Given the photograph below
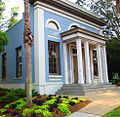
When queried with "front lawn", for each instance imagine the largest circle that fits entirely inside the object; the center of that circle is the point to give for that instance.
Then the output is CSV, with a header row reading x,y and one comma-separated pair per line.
x,y
113,113
43,105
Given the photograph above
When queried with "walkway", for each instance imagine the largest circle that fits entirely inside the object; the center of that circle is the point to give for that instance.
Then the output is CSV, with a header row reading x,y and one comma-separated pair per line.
x,y
102,102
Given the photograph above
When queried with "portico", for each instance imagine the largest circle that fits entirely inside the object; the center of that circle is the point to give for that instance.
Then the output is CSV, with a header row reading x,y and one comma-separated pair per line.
x,y
84,57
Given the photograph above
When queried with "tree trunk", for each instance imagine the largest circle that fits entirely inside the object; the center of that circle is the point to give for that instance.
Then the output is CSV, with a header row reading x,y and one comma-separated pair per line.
x,y
28,44
118,6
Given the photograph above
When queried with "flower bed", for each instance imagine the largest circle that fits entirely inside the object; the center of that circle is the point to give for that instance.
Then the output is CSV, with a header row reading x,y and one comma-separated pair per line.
x,y
44,106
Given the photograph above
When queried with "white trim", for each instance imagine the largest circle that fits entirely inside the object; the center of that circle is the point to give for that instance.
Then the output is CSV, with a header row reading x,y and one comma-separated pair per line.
x,y
54,83
53,20
18,78
39,49
67,15
87,62
100,69
55,37
65,49
55,76
80,61
83,37
55,79
73,24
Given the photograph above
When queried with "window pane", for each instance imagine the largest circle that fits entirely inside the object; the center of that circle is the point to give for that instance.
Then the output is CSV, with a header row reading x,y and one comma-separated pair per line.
x,y
4,66
54,58
18,62
52,25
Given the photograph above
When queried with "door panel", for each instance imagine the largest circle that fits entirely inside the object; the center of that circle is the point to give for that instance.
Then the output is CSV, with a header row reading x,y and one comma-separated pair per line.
x,y
75,69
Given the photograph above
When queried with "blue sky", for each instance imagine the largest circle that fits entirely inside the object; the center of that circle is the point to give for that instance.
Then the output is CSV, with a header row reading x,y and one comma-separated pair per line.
x,y
19,3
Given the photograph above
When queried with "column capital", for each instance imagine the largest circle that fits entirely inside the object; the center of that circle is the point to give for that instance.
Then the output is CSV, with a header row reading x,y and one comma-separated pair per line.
x,y
78,40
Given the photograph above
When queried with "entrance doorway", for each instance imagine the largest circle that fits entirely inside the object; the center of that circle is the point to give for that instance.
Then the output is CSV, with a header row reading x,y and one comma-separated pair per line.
x,y
74,66
95,66
75,69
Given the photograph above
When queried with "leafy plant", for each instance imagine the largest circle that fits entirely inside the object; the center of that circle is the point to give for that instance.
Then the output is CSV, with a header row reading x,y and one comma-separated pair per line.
x,y
18,105
50,102
43,107
3,110
64,108
26,111
46,113
3,116
38,111
82,100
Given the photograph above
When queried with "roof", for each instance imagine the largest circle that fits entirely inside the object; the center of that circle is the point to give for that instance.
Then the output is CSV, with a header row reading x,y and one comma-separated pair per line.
x,y
77,30
73,9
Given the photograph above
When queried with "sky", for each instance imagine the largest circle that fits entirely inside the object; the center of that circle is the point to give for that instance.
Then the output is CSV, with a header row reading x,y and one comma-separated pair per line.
x,y
19,3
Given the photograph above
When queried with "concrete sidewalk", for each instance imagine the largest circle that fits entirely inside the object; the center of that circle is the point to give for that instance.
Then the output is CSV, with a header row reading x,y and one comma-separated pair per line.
x,y
102,103
81,114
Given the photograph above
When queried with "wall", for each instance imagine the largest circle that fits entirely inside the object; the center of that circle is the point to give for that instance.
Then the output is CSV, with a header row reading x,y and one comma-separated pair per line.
x,y
15,35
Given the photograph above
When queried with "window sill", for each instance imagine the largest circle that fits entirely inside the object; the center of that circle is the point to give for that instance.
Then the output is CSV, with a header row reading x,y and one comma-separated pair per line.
x,y
3,79
55,76
18,78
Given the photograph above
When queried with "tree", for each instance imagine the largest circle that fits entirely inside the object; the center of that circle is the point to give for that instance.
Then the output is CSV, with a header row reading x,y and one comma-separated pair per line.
x,y
14,14
8,22
28,39
107,11
3,40
113,50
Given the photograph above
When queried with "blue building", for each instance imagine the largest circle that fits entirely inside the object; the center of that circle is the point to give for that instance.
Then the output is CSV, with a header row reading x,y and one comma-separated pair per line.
x,y
68,48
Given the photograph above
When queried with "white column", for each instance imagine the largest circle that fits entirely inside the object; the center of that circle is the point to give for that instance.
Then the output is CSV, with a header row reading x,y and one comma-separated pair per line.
x,y
99,58
87,62
80,61
105,69
39,50
65,63
92,67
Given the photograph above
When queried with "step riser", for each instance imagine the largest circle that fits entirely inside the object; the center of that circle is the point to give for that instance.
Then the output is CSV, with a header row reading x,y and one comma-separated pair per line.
x,y
77,89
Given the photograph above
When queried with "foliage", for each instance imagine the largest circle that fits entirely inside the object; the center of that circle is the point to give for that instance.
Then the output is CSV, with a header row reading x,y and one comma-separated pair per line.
x,y
17,105
42,105
27,111
3,116
5,22
114,113
113,50
50,102
3,110
107,11
3,40
115,78
64,108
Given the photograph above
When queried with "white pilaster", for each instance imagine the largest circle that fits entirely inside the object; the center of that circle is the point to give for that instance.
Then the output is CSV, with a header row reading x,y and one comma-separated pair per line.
x,y
65,62
92,67
87,62
80,61
39,49
105,69
99,58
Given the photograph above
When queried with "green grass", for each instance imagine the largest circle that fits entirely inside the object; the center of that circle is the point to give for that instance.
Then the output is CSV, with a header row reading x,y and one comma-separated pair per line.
x,y
113,113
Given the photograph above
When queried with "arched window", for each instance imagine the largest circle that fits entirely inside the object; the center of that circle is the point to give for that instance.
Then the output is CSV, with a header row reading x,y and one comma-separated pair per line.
x,y
53,24
73,25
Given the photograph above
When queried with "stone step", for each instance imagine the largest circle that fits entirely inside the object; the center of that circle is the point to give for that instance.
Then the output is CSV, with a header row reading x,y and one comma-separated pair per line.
x,y
91,87
78,89
70,93
86,90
